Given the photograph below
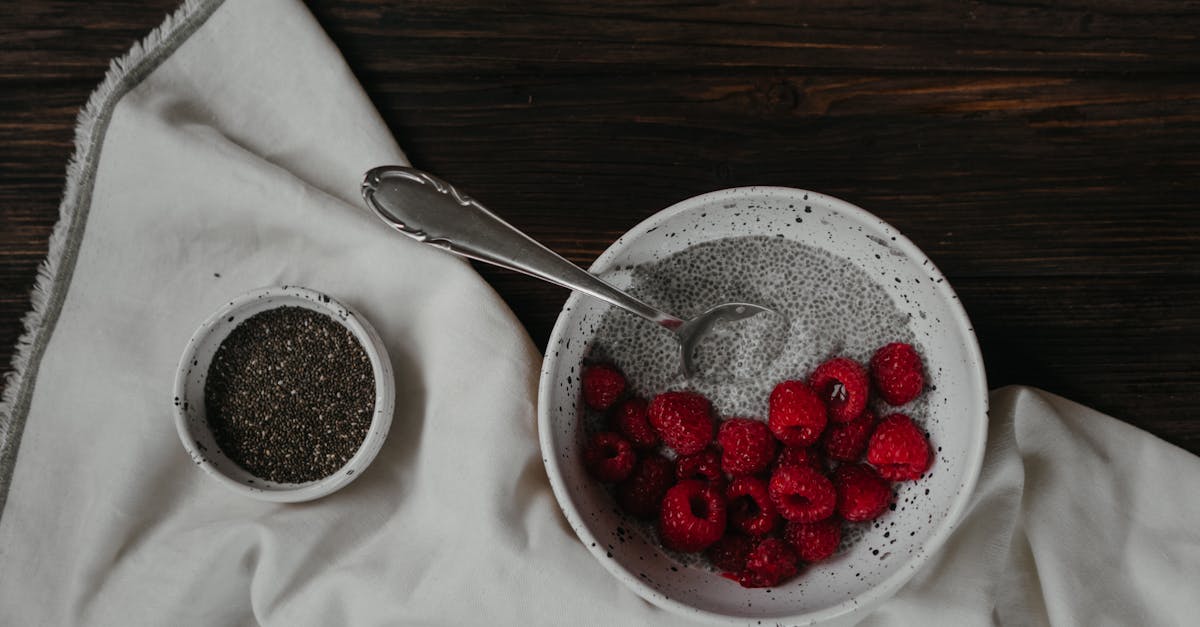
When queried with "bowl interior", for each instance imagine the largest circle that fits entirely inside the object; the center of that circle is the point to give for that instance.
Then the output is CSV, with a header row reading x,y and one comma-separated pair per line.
x,y
877,557
189,393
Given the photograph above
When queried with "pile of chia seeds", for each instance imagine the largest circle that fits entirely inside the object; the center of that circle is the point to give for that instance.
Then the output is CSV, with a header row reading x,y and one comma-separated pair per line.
x,y
290,395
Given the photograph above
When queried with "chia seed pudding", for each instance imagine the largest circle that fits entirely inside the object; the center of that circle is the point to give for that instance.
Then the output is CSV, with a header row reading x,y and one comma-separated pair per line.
x,y
830,307
290,395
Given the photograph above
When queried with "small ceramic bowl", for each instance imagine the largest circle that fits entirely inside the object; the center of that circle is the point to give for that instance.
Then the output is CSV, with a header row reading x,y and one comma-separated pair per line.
x,y
192,425
881,556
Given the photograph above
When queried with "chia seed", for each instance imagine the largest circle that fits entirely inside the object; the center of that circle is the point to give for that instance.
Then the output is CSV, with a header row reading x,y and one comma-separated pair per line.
x,y
290,395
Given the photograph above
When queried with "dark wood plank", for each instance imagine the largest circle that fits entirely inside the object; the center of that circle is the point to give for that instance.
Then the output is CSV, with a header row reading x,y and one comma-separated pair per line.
x,y
629,37
1043,154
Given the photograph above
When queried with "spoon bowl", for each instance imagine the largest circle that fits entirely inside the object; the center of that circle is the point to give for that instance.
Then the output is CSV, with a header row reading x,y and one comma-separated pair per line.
x,y
696,330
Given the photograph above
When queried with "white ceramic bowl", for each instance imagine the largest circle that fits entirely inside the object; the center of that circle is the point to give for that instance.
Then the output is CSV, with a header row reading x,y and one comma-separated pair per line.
x,y
876,565
189,408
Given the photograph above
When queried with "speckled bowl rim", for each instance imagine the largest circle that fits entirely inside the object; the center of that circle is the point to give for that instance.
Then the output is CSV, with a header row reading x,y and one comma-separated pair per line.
x,y
381,368
854,604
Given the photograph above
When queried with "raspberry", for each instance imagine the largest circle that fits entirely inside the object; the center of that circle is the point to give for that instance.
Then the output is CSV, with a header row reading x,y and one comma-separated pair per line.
x,y
692,517
800,456
769,564
749,505
862,494
747,446
814,541
842,384
609,457
796,414
602,386
683,420
897,372
642,493
898,449
847,442
703,466
802,494
631,422
730,552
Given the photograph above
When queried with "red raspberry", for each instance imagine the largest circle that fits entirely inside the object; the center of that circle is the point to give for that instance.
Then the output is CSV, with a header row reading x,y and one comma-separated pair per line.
x,y
814,541
631,421
609,457
703,466
842,384
862,494
683,420
769,564
898,449
802,494
692,517
730,552
898,373
602,386
749,505
642,493
796,414
747,446
800,456
846,442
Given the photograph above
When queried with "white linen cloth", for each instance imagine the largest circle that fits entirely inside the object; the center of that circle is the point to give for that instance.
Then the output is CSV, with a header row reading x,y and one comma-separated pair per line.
x,y
231,160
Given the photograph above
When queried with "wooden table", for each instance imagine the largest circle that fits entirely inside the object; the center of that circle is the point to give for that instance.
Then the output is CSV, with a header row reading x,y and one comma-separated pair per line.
x,y
1045,155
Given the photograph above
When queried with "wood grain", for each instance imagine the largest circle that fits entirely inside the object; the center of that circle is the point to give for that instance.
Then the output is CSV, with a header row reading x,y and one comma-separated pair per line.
x,y
1045,155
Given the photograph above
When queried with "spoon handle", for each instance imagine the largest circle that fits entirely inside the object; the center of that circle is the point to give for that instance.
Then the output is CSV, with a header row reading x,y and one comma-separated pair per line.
x,y
433,212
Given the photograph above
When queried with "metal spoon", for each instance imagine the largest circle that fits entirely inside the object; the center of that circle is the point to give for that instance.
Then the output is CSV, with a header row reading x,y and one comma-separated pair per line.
x,y
433,212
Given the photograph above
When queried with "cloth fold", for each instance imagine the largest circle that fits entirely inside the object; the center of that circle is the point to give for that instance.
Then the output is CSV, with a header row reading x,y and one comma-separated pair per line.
x,y
224,154
1078,519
